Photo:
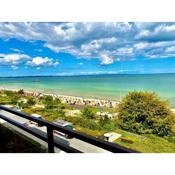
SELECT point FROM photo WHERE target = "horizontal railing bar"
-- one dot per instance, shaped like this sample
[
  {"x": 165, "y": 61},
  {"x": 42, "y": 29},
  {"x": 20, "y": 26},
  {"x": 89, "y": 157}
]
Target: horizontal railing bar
[
  {"x": 26, "y": 116},
  {"x": 19, "y": 125},
  {"x": 40, "y": 136},
  {"x": 113, "y": 147}
]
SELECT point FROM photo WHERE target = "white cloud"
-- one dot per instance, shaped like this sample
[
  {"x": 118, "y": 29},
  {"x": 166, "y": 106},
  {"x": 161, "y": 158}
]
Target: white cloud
[
  {"x": 16, "y": 58},
  {"x": 14, "y": 67},
  {"x": 39, "y": 61},
  {"x": 165, "y": 28},
  {"x": 106, "y": 41},
  {"x": 170, "y": 49},
  {"x": 159, "y": 49},
  {"x": 16, "y": 50},
  {"x": 79, "y": 39},
  {"x": 141, "y": 45},
  {"x": 125, "y": 50},
  {"x": 143, "y": 33},
  {"x": 56, "y": 63},
  {"x": 89, "y": 73},
  {"x": 105, "y": 59},
  {"x": 159, "y": 32},
  {"x": 13, "y": 58}
]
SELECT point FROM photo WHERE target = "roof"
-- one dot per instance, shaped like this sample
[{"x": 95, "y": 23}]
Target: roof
[
  {"x": 111, "y": 134},
  {"x": 36, "y": 115}
]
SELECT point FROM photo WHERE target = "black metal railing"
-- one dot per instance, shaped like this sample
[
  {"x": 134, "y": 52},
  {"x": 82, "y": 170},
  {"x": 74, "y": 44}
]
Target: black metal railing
[{"x": 49, "y": 138}]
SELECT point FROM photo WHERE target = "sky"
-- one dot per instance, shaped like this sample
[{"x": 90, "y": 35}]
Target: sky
[{"x": 60, "y": 49}]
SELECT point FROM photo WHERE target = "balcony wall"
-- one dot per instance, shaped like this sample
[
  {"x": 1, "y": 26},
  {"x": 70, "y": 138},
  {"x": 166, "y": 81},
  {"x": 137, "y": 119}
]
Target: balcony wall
[{"x": 13, "y": 142}]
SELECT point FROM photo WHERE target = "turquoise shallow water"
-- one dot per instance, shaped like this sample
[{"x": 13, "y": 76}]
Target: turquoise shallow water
[{"x": 98, "y": 86}]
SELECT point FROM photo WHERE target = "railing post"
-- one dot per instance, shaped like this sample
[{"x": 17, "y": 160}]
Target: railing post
[{"x": 50, "y": 139}]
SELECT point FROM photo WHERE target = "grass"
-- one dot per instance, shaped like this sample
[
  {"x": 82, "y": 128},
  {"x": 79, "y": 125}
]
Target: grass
[
  {"x": 4, "y": 100},
  {"x": 47, "y": 114},
  {"x": 142, "y": 143},
  {"x": 95, "y": 133},
  {"x": 104, "y": 109},
  {"x": 146, "y": 143}
]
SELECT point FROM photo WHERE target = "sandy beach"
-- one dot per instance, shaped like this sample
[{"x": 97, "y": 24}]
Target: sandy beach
[{"x": 72, "y": 100}]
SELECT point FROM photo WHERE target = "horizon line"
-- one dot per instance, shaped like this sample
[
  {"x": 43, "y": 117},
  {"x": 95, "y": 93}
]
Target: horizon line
[{"x": 21, "y": 76}]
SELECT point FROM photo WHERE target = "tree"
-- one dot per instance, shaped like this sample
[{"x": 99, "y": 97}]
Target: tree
[
  {"x": 145, "y": 112},
  {"x": 21, "y": 92},
  {"x": 88, "y": 113},
  {"x": 14, "y": 101},
  {"x": 104, "y": 120},
  {"x": 31, "y": 102},
  {"x": 22, "y": 105},
  {"x": 49, "y": 102},
  {"x": 57, "y": 101},
  {"x": 106, "y": 123}
]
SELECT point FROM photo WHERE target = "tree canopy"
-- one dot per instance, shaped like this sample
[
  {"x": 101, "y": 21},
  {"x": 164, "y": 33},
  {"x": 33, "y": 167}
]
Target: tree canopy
[
  {"x": 88, "y": 113},
  {"x": 21, "y": 92},
  {"x": 145, "y": 112},
  {"x": 31, "y": 101}
]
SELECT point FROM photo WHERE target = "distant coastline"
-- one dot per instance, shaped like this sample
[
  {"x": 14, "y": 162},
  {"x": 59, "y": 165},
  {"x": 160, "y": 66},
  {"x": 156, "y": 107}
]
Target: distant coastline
[{"x": 105, "y": 74}]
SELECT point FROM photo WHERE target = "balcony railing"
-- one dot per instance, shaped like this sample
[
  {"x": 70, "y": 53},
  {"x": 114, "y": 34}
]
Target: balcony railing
[{"x": 49, "y": 138}]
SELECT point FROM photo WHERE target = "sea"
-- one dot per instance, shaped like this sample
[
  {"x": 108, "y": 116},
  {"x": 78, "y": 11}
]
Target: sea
[{"x": 112, "y": 87}]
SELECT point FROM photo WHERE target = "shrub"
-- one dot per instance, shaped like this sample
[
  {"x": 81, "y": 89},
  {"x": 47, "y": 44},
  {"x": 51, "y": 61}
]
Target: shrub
[
  {"x": 145, "y": 112},
  {"x": 31, "y": 102},
  {"x": 14, "y": 101},
  {"x": 9, "y": 93},
  {"x": 104, "y": 120},
  {"x": 88, "y": 113},
  {"x": 83, "y": 122},
  {"x": 90, "y": 124},
  {"x": 21, "y": 92},
  {"x": 60, "y": 113},
  {"x": 48, "y": 101},
  {"x": 57, "y": 101},
  {"x": 106, "y": 123}
]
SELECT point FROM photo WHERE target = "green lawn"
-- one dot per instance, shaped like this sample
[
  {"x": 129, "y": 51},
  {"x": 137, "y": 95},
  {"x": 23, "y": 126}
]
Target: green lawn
[{"x": 146, "y": 143}]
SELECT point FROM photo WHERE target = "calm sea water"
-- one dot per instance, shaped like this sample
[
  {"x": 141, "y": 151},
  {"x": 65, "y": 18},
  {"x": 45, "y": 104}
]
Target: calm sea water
[{"x": 98, "y": 86}]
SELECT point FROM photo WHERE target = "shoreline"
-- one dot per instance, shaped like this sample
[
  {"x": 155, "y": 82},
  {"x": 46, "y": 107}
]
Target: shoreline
[
  {"x": 68, "y": 99},
  {"x": 71, "y": 100}
]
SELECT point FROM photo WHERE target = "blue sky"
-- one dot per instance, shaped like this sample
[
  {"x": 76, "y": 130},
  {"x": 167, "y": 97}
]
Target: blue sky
[{"x": 86, "y": 48}]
